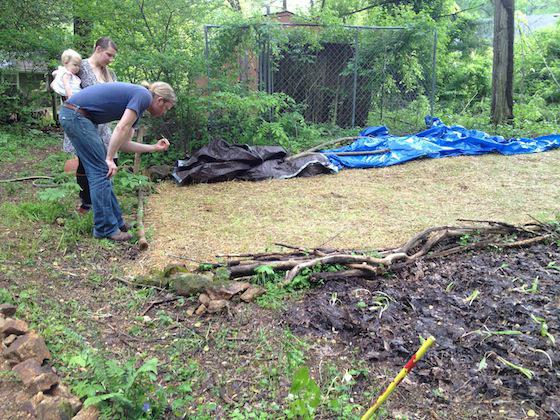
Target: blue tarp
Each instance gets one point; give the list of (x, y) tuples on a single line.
[(437, 141)]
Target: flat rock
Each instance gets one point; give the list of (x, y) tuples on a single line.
[(90, 413), (187, 284), (200, 310), (9, 340), (204, 299), (62, 391), (7, 309), (51, 408), (26, 347), (251, 293), (13, 326), (217, 305), (44, 382), (28, 370), (227, 290)]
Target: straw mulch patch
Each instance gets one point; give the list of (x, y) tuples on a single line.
[(355, 209)]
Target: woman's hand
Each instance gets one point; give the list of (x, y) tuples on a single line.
[(112, 168), (162, 145)]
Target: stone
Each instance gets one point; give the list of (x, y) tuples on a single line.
[(204, 299), (54, 408), (216, 305), (159, 172), (200, 310), (172, 269), (251, 293), (14, 326), (187, 284), (62, 391), (7, 309), (9, 339), (90, 413), (227, 290), (26, 347), (44, 382), (190, 311), (28, 370)]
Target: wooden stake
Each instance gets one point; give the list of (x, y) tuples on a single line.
[(142, 242)]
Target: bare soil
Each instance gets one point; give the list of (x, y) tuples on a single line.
[(431, 299)]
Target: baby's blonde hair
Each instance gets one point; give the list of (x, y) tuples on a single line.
[(161, 89), (70, 54)]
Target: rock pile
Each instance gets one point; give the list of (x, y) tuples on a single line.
[(42, 396), (215, 298)]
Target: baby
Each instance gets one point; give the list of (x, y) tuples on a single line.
[(65, 82)]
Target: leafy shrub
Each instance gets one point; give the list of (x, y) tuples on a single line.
[(120, 391), (257, 118)]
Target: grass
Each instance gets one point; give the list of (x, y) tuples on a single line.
[(356, 209)]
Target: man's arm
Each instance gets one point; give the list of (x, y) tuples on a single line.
[(121, 134)]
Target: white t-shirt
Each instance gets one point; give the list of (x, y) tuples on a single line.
[(58, 85)]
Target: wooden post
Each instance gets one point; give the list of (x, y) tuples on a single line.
[(142, 242), (502, 68)]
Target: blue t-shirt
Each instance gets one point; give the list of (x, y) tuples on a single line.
[(106, 102)]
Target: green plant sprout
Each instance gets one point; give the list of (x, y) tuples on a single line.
[(381, 302), (533, 289), (470, 299), (544, 328), (486, 333), (553, 266), (526, 372)]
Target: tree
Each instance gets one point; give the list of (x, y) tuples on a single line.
[(502, 68)]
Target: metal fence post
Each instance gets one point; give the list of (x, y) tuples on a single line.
[(433, 93), (355, 84)]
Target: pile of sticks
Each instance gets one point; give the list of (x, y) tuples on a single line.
[(431, 243)]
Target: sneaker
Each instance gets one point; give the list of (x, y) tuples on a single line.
[(120, 237)]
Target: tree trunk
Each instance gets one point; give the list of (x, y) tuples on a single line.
[(502, 69), (235, 5)]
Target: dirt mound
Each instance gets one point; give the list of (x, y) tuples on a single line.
[(489, 312)]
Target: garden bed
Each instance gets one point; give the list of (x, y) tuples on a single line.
[(486, 310)]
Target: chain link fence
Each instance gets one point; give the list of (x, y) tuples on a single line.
[(350, 76)]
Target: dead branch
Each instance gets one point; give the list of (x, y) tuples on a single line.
[(159, 302), (343, 259), (434, 242), (321, 146)]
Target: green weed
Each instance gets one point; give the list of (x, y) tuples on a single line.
[(544, 328), (304, 396)]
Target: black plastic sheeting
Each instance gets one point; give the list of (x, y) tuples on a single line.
[(220, 161)]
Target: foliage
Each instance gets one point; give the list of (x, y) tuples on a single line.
[(304, 396), (124, 391), (257, 118)]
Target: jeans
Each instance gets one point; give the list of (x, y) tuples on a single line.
[(107, 215)]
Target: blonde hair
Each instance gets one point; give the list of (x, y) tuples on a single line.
[(68, 55), (161, 89)]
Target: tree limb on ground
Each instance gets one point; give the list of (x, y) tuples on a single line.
[(435, 242)]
